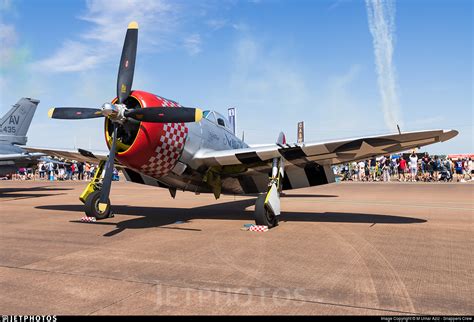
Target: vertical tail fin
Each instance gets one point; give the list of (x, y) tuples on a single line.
[(281, 139), (17, 120)]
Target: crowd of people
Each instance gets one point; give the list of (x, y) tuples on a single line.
[(396, 167), (57, 170), (408, 167)]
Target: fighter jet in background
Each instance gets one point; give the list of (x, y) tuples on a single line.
[(13, 128)]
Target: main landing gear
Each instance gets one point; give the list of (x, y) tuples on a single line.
[(267, 206), (91, 195)]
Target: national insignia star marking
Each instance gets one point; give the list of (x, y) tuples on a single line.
[(367, 150)]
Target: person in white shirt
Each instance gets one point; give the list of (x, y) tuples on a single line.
[(469, 168), (413, 166), (361, 166), (386, 169), (355, 171)]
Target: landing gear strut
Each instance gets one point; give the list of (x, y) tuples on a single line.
[(267, 206), (91, 196)]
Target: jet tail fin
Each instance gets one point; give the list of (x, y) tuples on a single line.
[(16, 122)]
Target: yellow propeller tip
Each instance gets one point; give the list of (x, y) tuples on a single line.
[(133, 25), (198, 115), (50, 112)]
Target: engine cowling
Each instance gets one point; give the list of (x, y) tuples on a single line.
[(150, 148)]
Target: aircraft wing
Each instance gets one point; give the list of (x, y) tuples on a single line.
[(306, 164), (20, 156), (326, 153), (78, 155)]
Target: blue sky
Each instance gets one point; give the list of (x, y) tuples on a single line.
[(277, 62)]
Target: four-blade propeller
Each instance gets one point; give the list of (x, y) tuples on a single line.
[(119, 113)]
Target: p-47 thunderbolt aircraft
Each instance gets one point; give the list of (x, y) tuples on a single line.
[(156, 141)]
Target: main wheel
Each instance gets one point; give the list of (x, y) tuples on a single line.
[(262, 215), (92, 206)]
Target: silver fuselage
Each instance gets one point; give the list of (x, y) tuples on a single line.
[(202, 137)]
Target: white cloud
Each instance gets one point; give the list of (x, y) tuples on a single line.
[(164, 25), (103, 40), (73, 56), (339, 82), (15, 80), (338, 107), (240, 26), (217, 24), (8, 41), (3, 85), (6, 5), (429, 121), (338, 99), (7, 34), (155, 16), (381, 16), (336, 4), (264, 77), (192, 44), (268, 87)]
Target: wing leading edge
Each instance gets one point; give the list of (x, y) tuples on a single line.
[(78, 155), (326, 153)]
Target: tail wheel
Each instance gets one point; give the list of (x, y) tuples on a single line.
[(262, 215), (92, 206)]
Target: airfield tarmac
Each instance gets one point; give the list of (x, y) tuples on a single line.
[(348, 248)]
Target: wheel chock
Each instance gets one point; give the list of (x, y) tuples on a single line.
[(252, 227), (258, 228)]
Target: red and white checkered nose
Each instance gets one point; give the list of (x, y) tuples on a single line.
[(169, 149), (157, 147)]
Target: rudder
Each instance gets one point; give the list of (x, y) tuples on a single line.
[(18, 119)]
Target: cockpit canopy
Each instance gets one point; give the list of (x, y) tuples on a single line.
[(217, 118)]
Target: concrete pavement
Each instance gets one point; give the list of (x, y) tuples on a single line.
[(349, 248)]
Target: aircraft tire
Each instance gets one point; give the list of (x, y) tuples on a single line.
[(91, 206), (262, 215)]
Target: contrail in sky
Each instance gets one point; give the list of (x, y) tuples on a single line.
[(381, 15)]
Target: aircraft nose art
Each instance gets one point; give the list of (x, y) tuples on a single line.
[(158, 146)]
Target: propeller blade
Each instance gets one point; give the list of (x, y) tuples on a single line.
[(109, 170), (74, 113), (127, 63), (165, 115)]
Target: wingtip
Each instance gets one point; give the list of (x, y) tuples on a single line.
[(449, 134), (50, 112), (133, 25)]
